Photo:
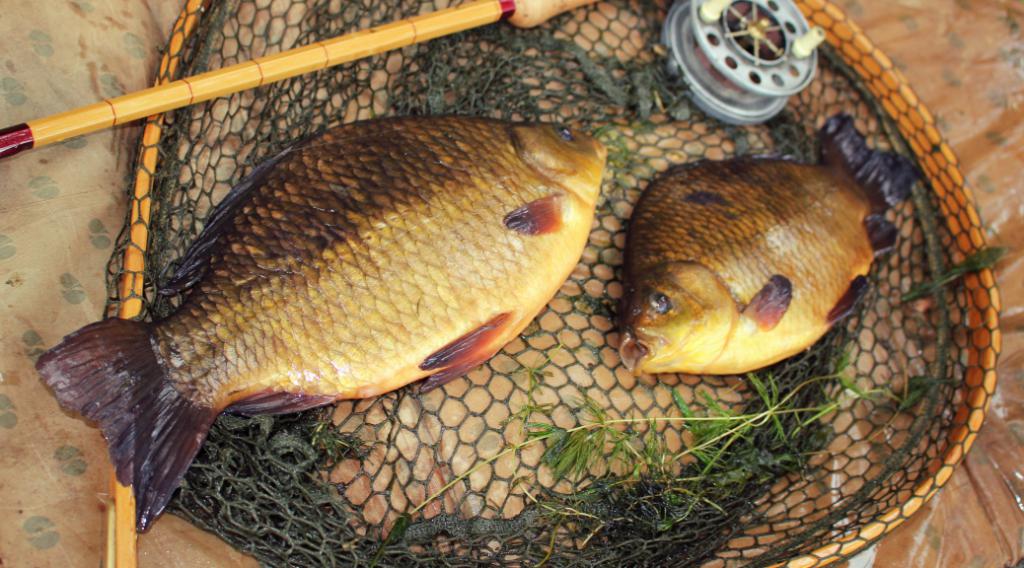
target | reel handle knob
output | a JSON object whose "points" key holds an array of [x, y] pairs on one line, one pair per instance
{"points": [[530, 13], [711, 10], [805, 45]]}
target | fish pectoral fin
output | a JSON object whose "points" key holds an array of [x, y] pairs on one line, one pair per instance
{"points": [[465, 353], [844, 307], [881, 233], [770, 303], [277, 402], [538, 217]]}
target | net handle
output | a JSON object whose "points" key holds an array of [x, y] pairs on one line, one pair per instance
{"points": [[121, 550]]}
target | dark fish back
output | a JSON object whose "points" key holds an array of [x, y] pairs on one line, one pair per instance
{"points": [[723, 214]]}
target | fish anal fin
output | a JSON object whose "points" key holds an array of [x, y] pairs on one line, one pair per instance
{"points": [[537, 217], [277, 402], [844, 307], [886, 177], [465, 353], [450, 374], [881, 233], [770, 303]]}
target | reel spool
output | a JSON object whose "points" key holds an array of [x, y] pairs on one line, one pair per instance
{"points": [[742, 59]]}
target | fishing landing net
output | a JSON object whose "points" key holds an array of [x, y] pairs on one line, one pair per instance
{"points": [[552, 452]]}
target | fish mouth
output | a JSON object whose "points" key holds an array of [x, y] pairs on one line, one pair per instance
{"points": [[633, 352]]}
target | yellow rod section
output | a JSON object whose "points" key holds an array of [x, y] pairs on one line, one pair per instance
{"points": [[255, 73]]}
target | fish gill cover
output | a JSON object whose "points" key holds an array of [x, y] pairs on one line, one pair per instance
{"points": [[552, 452]]}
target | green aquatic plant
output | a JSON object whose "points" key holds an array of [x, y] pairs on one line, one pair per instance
{"points": [[980, 260], [772, 433]]}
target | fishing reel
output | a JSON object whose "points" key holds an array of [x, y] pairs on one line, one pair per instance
{"points": [[742, 59]]}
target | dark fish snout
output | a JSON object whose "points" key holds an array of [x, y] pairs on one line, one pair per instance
{"points": [[632, 351]]}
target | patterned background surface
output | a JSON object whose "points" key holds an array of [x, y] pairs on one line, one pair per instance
{"points": [[62, 207]]}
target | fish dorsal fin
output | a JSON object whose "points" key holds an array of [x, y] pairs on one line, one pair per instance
{"points": [[770, 303], [193, 263], [844, 307], [465, 353], [885, 176]]}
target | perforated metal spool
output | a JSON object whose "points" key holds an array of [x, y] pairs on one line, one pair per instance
{"points": [[255, 482], [730, 81]]}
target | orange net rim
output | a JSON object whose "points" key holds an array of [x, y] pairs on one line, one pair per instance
{"points": [[915, 124], [957, 205]]}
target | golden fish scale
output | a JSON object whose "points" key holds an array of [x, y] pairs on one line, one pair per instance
{"points": [[351, 263], [769, 221]]}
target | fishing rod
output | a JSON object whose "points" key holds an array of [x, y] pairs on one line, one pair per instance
{"points": [[272, 68]]}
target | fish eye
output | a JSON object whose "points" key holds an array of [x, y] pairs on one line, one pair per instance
{"points": [[565, 133], [660, 303]]}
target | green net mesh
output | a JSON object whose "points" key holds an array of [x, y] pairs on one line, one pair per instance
{"points": [[465, 475]]}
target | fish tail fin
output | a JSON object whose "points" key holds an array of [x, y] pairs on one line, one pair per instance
{"points": [[886, 176], [109, 373]]}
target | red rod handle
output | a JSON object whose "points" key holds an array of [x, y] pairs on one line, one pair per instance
{"points": [[14, 139]]}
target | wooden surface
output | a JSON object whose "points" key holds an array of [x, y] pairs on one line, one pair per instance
{"points": [[64, 204]]}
